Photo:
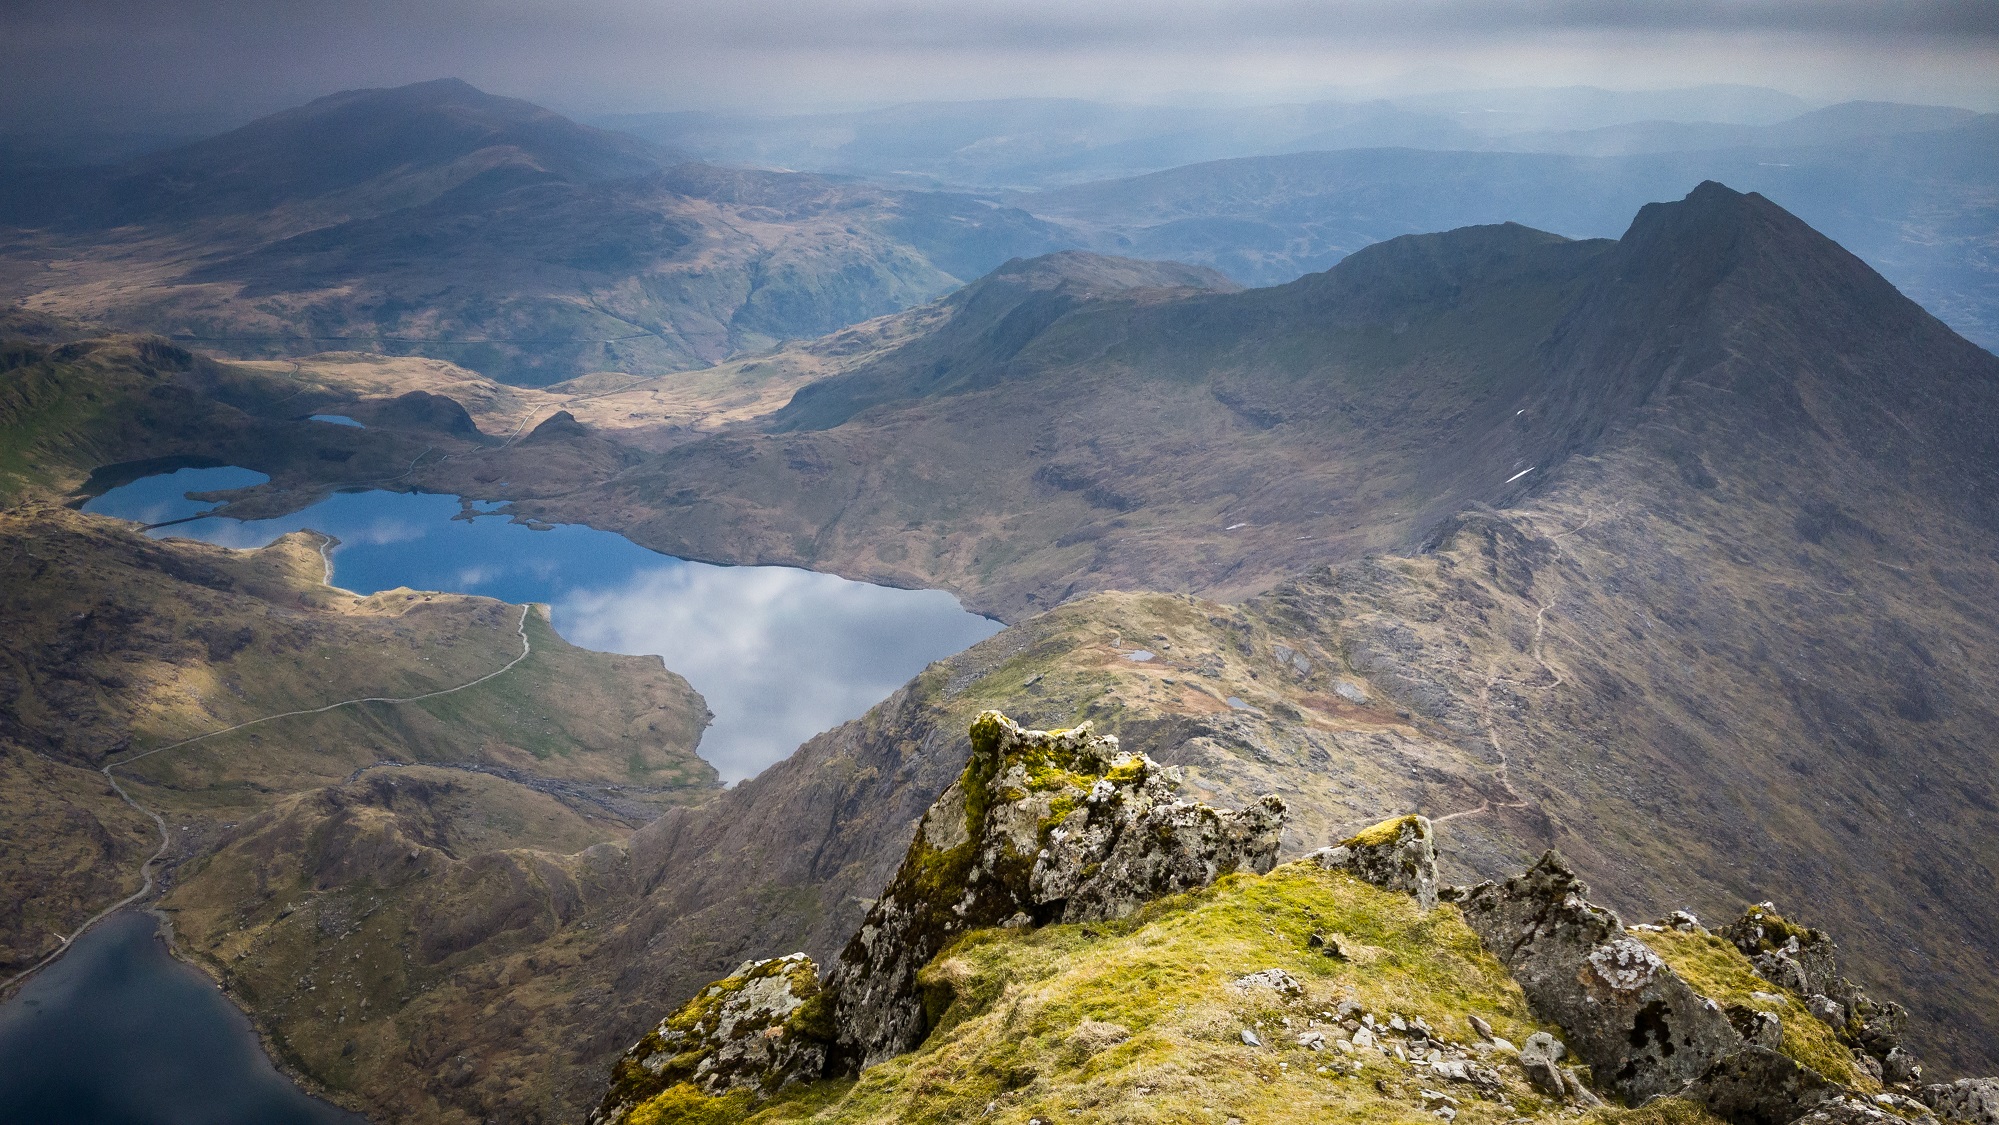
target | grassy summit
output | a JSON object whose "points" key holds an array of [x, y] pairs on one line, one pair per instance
{"points": [[1143, 1020]]}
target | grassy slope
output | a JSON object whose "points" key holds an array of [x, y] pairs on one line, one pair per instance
{"points": [[1015, 1043], [118, 644]]}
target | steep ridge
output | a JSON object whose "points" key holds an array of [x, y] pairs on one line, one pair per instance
{"points": [[1065, 935], [1728, 639], [1142, 438], [438, 220], [1914, 205]]}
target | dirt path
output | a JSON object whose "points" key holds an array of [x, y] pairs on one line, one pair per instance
{"points": [[146, 869]]}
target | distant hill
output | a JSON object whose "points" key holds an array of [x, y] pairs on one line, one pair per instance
{"points": [[1049, 142], [438, 220], [1915, 204]]}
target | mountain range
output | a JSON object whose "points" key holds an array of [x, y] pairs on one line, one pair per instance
{"points": [[436, 220], [1671, 550], [1668, 551]]}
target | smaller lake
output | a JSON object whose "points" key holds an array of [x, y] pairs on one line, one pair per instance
{"points": [[780, 654], [117, 1032]]}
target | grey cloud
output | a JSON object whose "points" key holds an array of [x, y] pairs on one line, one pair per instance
{"points": [[256, 55]]}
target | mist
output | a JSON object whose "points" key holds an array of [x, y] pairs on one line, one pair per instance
{"points": [[197, 66]]}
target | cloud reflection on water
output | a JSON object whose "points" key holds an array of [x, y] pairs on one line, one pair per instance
{"points": [[780, 654], [775, 651]]}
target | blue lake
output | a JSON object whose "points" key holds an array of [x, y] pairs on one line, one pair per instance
{"points": [[780, 654], [119, 1033]]}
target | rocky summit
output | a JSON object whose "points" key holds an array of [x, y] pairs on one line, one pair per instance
{"points": [[1065, 936]]}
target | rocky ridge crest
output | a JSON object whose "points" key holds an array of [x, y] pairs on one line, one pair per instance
{"points": [[1041, 827]]}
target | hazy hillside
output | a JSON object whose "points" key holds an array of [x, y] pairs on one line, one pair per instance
{"points": [[1915, 205], [437, 220], [1043, 142]]}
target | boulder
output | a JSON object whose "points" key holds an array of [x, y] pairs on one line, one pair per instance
{"points": [[1042, 826], [759, 1029], [1759, 1086], [1975, 1100], [1399, 854], [1638, 1026]]}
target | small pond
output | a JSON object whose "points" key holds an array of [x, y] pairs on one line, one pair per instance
{"points": [[117, 1032], [780, 654]]}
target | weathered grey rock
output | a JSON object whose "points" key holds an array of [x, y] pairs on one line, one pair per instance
{"points": [[1399, 854], [756, 1029], [1639, 1027], [1759, 1086], [1900, 1068], [1041, 827], [1806, 961], [1538, 1057], [1975, 1100]]}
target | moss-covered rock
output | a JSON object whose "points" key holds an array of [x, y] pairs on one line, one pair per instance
{"points": [[1042, 826], [753, 1032], [1398, 854]]}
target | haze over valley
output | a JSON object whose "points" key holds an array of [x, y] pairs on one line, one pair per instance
{"points": [[552, 602]]}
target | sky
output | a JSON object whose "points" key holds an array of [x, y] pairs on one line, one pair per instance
{"points": [[107, 63]]}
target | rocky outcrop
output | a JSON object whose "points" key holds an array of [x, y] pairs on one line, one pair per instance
{"points": [[1806, 961], [1399, 854], [1644, 1030], [757, 1029], [1041, 827], [1640, 1028]]}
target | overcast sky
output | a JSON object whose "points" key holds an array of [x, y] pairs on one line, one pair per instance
{"points": [[62, 61]]}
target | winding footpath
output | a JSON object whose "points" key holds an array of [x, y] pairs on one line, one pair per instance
{"points": [[146, 869], [1493, 678]]}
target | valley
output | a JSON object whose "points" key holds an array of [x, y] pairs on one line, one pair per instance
{"points": [[1670, 552]]}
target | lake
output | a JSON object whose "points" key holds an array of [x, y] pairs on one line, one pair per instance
{"points": [[780, 654], [119, 1033]]}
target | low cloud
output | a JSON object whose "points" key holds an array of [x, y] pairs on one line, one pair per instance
{"points": [[241, 57]]}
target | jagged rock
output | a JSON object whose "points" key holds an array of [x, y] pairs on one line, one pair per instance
{"points": [[1277, 980], [1639, 1027], [757, 1029], [1806, 961], [1764, 1029], [1399, 854], [1538, 1057], [1975, 1100], [1900, 1068], [1055, 826]]}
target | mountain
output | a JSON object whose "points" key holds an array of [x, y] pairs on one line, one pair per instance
{"points": [[438, 220], [1672, 552], [1034, 142], [358, 153], [1913, 204]]}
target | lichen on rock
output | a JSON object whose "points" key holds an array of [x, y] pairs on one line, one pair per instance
{"points": [[1642, 1030], [756, 1030], [1398, 854], [1042, 826]]}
